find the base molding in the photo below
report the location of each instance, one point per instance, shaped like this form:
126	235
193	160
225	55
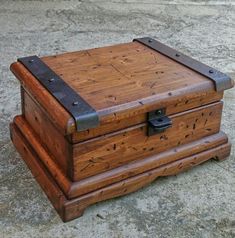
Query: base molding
58	190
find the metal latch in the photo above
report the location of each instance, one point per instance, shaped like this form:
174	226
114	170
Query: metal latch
158	122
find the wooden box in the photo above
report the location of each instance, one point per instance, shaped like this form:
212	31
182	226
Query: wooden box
101	123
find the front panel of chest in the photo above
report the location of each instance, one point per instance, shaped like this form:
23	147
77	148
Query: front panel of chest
106	152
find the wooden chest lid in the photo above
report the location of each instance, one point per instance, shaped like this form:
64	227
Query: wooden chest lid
123	80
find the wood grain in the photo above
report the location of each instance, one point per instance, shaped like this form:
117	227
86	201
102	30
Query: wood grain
57	114
42	176
102	153
74	189
136	182
70	209
120	82
172	106
34	110
55	143
113	150
108	77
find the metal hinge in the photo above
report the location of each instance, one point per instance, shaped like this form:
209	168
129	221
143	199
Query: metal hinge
157	122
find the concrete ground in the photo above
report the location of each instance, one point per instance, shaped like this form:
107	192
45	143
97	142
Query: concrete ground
197	203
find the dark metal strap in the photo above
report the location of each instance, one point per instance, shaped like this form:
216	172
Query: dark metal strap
221	80
84	115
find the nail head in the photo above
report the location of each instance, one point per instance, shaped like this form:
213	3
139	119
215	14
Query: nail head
51	80
75	103
158	112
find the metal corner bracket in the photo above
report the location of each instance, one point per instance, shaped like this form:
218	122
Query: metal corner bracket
84	115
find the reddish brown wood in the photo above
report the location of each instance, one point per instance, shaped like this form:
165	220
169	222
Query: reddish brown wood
27	134
53	141
42	176
120	85
102	153
33	109
70	209
74	189
122	74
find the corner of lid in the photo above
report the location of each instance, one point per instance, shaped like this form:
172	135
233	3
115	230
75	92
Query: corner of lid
70	126
13	66
224	83
87	121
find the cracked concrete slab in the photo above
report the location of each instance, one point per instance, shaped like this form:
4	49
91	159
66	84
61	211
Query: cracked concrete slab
197	203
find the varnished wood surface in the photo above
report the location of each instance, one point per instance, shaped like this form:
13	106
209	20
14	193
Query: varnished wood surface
172	106
58	115
70	209
74	189
38	118
75	207
115	149
126	73
53	141
120	82
123	83
42	176
112	150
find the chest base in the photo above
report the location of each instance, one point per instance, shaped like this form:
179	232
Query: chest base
70	199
